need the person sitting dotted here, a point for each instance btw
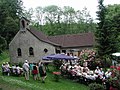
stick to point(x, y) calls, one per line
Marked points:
point(85, 69)
point(13, 70)
point(108, 73)
point(97, 70)
point(63, 69)
point(6, 69)
point(3, 68)
point(18, 71)
point(7, 64)
point(101, 72)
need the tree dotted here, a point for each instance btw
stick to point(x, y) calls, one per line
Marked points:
point(39, 15)
point(54, 20)
point(113, 14)
point(28, 14)
point(100, 33)
point(2, 44)
point(85, 21)
point(106, 35)
point(10, 11)
point(112, 11)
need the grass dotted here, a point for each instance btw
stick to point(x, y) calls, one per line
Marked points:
point(19, 83)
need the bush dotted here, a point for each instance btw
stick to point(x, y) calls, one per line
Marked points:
point(95, 86)
point(20, 64)
point(3, 44)
point(115, 81)
point(57, 64)
point(4, 55)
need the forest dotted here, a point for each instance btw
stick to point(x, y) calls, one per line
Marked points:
point(54, 20)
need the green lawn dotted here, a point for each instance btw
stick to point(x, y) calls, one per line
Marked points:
point(19, 83)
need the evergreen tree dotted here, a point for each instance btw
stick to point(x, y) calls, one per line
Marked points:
point(106, 35)
point(101, 32)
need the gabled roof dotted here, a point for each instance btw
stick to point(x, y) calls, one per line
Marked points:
point(25, 19)
point(74, 40)
point(41, 36)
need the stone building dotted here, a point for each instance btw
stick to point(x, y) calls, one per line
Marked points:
point(32, 44)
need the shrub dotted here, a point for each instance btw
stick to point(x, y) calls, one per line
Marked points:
point(20, 64)
point(57, 64)
point(115, 81)
point(4, 55)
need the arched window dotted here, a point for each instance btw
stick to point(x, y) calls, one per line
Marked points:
point(23, 23)
point(31, 51)
point(19, 52)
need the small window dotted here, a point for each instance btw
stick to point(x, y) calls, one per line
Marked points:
point(63, 51)
point(31, 53)
point(57, 51)
point(23, 23)
point(45, 50)
point(19, 52)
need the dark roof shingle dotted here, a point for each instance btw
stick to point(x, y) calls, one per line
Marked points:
point(41, 36)
point(74, 40)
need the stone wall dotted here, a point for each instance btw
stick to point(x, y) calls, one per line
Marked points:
point(25, 40)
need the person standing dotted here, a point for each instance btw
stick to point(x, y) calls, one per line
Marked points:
point(31, 67)
point(26, 69)
point(42, 72)
point(35, 72)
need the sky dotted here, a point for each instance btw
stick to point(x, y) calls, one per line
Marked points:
point(76, 4)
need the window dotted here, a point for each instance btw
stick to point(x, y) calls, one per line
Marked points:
point(45, 50)
point(31, 53)
point(23, 23)
point(63, 51)
point(19, 52)
point(57, 51)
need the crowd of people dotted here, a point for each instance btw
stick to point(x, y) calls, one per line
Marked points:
point(11, 70)
point(71, 69)
point(84, 75)
point(37, 70)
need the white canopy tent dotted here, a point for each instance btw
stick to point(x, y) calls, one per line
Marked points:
point(116, 54)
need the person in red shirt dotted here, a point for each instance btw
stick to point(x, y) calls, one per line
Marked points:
point(35, 72)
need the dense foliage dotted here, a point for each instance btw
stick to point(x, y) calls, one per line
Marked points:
point(54, 20)
point(10, 11)
point(107, 34)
